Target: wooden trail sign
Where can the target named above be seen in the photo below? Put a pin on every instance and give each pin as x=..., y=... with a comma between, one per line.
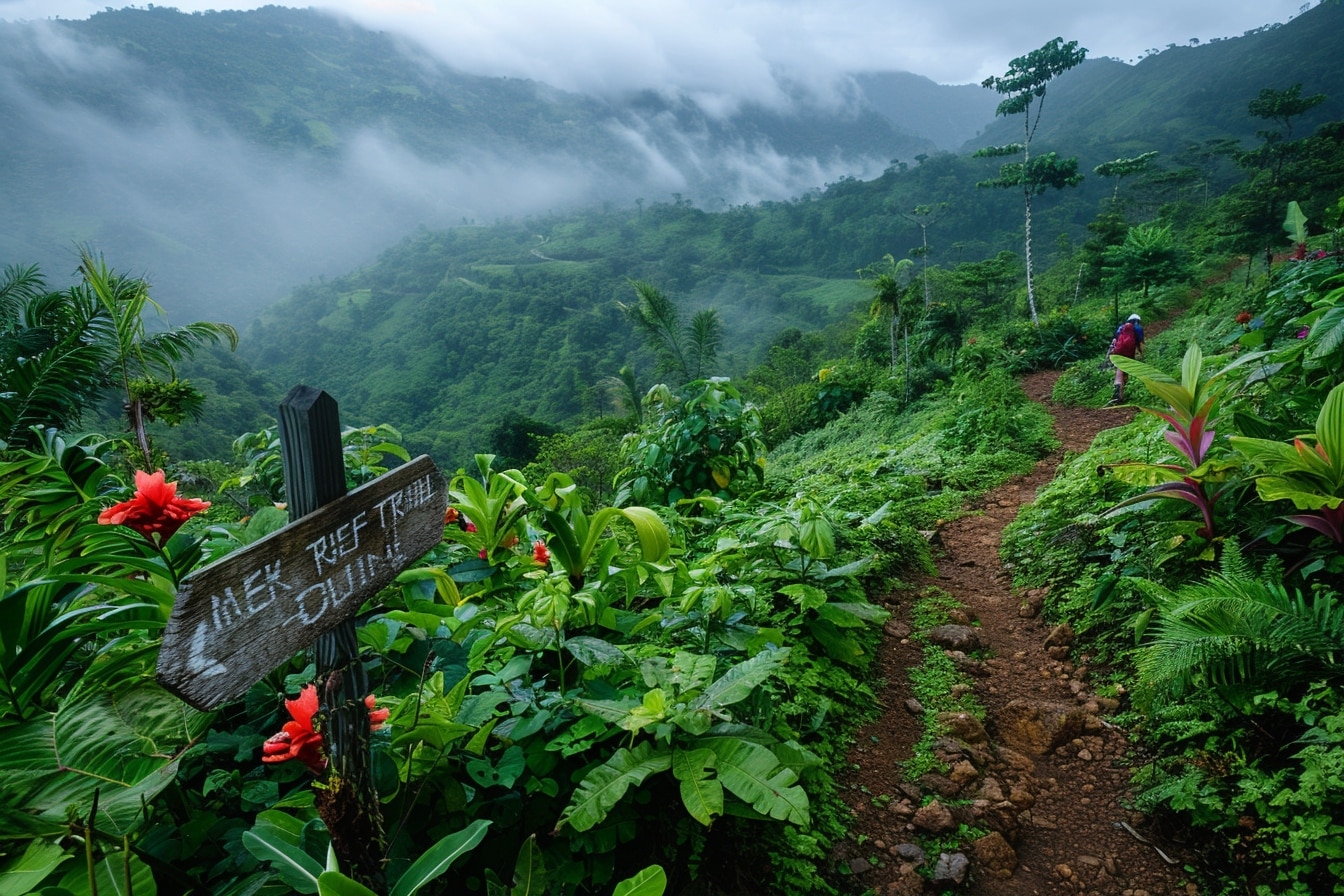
x=242, y=616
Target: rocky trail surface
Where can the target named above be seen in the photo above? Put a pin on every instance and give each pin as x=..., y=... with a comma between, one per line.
x=1046, y=774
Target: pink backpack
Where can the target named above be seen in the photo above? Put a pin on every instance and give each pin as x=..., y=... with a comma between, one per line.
x=1126, y=341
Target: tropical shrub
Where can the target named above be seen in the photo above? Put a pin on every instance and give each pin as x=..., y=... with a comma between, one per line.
x=702, y=439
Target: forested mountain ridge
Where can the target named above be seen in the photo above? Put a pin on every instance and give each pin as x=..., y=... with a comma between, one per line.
x=231, y=155
x=440, y=336
x=1186, y=95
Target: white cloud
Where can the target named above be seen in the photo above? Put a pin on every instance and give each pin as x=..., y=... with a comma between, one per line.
x=735, y=47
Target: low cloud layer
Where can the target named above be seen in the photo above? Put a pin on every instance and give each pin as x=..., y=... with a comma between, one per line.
x=736, y=48
x=223, y=228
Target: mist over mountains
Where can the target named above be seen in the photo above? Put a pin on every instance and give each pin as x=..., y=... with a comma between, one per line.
x=228, y=156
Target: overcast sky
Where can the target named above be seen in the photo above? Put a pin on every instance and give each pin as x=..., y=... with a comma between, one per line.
x=733, y=47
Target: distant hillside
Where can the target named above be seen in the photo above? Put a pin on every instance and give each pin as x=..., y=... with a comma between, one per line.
x=232, y=155
x=949, y=115
x=1105, y=109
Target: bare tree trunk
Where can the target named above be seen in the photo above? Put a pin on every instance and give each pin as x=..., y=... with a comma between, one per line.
x=1031, y=291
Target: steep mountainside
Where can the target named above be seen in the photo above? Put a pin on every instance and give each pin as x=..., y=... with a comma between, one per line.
x=1106, y=109
x=949, y=115
x=231, y=155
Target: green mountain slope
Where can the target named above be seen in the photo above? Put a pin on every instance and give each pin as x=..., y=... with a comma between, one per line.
x=1105, y=109
x=231, y=155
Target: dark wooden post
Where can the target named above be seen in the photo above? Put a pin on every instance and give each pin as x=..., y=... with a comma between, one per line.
x=314, y=467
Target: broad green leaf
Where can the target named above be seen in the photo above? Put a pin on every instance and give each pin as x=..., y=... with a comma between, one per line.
x=439, y=858
x=595, y=652
x=754, y=775
x=608, y=710
x=1295, y=223
x=334, y=883
x=296, y=867
x=809, y=597
x=24, y=873
x=529, y=871
x=738, y=682
x=1330, y=430
x=701, y=793
x=840, y=616
x=1145, y=474
x=1191, y=365
x=604, y=785
x=110, y=874
x=652, y=881
x=685, y=671
x=122, y=743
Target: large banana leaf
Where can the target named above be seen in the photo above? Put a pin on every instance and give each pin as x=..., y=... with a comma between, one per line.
x=754, y=775
x=602, y=788
x=122, y=745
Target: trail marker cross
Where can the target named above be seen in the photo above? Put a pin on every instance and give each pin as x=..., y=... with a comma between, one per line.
x=244, y=615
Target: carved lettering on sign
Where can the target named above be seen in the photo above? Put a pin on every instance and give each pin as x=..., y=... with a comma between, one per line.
x=242, y=616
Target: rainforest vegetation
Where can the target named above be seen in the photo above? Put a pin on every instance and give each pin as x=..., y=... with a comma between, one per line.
x=652, y=611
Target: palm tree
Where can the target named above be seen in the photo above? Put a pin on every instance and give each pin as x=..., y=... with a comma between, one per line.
x=51, y=370
x=143, y=362
x=60, y=352
x=688, y=351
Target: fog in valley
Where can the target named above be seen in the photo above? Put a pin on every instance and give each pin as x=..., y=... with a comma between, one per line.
x=222, y=226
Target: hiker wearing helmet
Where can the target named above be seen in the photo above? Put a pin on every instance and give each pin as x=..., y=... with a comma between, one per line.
x=1128, y=342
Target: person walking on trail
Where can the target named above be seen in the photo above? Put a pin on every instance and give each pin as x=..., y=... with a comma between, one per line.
x=1128, y=342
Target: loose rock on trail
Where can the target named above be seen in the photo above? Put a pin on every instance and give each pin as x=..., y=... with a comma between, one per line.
x=1046, y=774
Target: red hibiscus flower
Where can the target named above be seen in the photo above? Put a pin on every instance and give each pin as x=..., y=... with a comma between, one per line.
x=540, y=552
x=155, y=510
x=298, y=740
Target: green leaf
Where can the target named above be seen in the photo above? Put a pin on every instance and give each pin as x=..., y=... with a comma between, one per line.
x=1295, y=223
x=738, y=682
x=110, y=875
x=841, y=616
x=334, y=883
x=295, y=867
x=652, y=881
x=123, y=744
x=529, y=871
x=439, y=858
x=595, y=652
x=701, y=794
x=23, y=874
x=754, y=775
x=604, y=785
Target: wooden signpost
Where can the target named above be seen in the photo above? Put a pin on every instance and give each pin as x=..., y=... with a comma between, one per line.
x=239, y=618
x=244, y=615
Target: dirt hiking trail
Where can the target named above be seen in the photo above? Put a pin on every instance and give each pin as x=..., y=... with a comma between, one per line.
x=1046, y=774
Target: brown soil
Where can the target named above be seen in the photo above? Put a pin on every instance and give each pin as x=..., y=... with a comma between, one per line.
x=1048, y=774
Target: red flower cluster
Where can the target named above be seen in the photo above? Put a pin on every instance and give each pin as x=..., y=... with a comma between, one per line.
x=154, y=509
x=298, y=740
x=1243, y=317
x=540, y=552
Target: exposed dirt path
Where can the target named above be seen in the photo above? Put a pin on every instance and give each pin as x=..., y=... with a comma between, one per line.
x=1045, y=775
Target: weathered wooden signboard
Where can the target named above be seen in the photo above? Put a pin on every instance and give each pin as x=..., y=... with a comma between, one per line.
x=242, y=616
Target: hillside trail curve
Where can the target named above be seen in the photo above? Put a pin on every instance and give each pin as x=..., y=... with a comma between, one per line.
x=1046, y=774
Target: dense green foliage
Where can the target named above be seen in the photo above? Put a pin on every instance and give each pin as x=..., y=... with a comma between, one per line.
x=1222, y=610
x=630, y=677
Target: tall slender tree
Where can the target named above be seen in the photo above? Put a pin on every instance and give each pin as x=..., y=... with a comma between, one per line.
x=1024, y=85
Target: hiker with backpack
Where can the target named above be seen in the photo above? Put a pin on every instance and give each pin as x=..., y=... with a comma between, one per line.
x=1128, y=342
